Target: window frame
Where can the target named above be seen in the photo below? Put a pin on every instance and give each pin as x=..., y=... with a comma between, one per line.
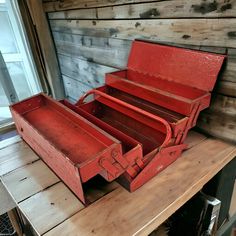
x=25, y=55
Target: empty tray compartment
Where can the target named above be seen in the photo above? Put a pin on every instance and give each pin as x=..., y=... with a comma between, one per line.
x=63, y=138
x=131, y=147
x=145, y=131
x=176, y=120
x=167, y=94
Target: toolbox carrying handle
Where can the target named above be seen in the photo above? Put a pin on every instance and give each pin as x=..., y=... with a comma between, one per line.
x=131, y=107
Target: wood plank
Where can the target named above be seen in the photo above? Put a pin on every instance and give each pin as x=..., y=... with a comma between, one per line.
x=115, y=54
x=114, y=51
x=219, y=125
x=15, y=156
x=50, y=207
x=223, y=105
x=230, y=70
x=83, y=71
x=28, y=180
x=207, y=32
x=134, y=213
x=7, y=142
x=194, y=138
x=47, y=48
x=74, y=89
x=232, y=52
x=74, y=4
x=158, y=9
x=90, y=13
x=219, y=50
x=227, y=88
x=6, y=201
x=49, y=0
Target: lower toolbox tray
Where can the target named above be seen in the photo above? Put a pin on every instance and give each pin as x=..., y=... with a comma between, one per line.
x=68, y=143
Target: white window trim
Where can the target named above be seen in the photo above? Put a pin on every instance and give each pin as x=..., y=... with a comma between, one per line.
x=24, y=47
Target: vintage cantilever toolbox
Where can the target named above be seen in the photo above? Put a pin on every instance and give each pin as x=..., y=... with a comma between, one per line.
x=134, y=126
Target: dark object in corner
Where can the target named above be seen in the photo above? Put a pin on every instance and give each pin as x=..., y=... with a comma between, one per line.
x=198, y=216
x=221, y=187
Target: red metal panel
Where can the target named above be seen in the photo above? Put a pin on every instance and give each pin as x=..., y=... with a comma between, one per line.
x=193, y=68
x=53, y=157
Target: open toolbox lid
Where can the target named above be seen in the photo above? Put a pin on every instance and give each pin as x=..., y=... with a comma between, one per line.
x=188, y=67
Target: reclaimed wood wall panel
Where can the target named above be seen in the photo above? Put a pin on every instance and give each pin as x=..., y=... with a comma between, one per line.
x=84, y=71
x=99, y=33
x=208, y=32
x=74, y=88
x=75, y=4
x=114, y=51
x=157, y=9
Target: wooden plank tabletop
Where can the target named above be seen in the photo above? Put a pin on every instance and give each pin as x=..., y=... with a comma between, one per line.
x=52, y=209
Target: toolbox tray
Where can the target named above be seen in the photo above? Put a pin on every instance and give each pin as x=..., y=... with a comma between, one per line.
x=61, y=136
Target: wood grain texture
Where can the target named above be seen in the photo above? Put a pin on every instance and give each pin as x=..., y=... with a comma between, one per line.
x=49, y=208
x=104, y=51
x=194, y=138
x=224, y=105
x=208, y=32
x=15, y=156
x=28, y=180
x=227, y=88
x=124, y=213
x=73, y=4
x=219, y=120
x=6, y=202
x=229, y=73
x=47, y=47
x=115, y=51
x=74, y=89
x=84, y=71
x=7, y=142
x=218, y=124
x=157, y=9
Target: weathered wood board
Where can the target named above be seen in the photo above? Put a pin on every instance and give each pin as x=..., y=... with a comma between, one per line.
x=50, y=207
x=12, y=157
x=154, y=9
x=208, y=32
x=6, y=201
x=123, y=213
x=79, y=76
x=31, y=178
x=73, y=4
x=141, y=9
x=54, y=210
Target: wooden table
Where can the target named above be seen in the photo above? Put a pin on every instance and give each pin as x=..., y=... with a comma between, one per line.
x=52, y=209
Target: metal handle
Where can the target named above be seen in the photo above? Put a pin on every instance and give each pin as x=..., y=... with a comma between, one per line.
x=131, y=107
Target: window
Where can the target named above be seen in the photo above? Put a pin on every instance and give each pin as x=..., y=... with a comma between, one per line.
x=17, y=59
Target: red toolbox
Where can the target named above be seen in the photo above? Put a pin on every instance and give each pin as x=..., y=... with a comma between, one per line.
x=134, y=126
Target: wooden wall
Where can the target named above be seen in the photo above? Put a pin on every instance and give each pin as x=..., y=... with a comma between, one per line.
x=93, y=37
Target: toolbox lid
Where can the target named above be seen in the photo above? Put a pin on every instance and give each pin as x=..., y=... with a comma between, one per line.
x=189, y=67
